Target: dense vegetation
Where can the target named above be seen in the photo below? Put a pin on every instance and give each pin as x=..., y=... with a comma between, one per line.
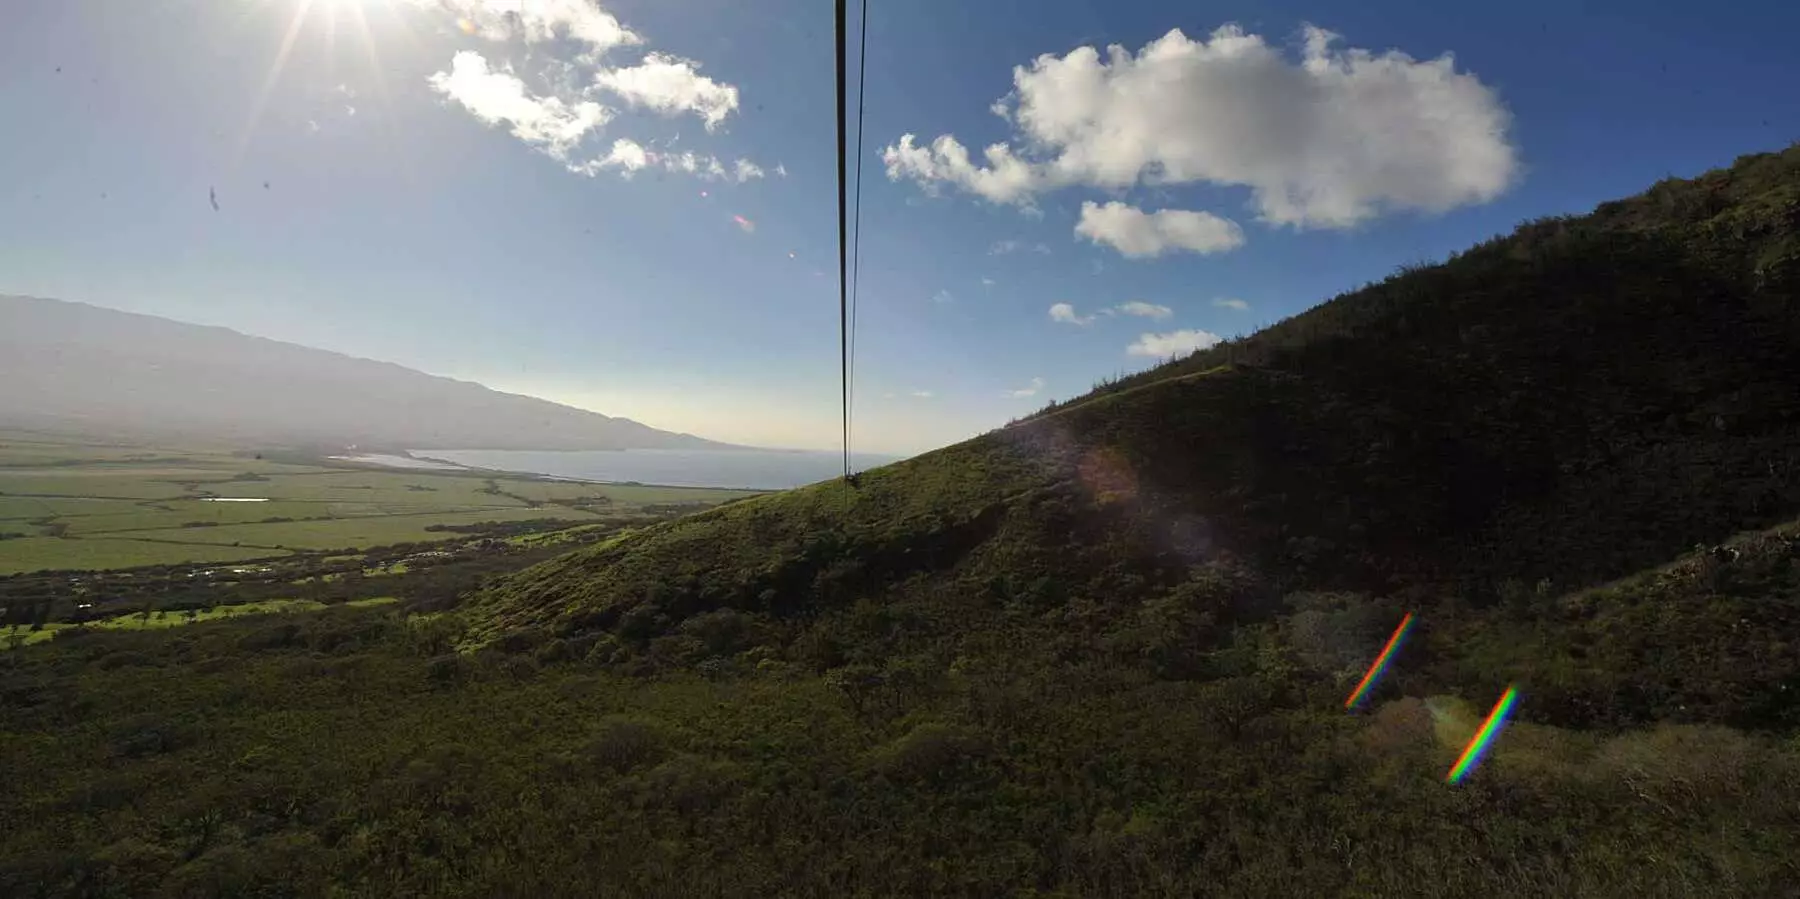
x=1100, y=652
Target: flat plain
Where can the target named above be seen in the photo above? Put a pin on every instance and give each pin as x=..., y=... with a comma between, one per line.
x=70, y=504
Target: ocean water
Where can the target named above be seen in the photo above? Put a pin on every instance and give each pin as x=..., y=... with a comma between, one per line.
x=751, y=469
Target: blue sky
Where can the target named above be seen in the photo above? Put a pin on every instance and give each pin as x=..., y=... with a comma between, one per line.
x=531, y=201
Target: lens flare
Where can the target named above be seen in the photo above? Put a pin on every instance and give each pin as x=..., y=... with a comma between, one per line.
x=1381, y=662
x=1484, y=738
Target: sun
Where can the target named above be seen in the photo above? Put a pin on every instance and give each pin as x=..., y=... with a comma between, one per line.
x=329, y=16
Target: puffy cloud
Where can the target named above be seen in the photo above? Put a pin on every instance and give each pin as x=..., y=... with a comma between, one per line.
x=1139, y=234
x=497, y=97
x=627, y=155
x=1326, y=141
x=1005, y=179
x=1065, y=313
x=744, y=170
x=1145, y=310
x=671, y=85
x=1032, y=389
x=1173, y=343
x=1231, y=303
x=539, y=20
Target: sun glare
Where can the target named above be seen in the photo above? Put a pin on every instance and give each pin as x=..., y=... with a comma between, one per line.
x=326, y=16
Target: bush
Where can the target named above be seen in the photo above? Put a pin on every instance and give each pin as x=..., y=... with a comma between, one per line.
x=931, y=753
x=621, y=744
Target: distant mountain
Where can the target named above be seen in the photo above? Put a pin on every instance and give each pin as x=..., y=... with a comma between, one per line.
x=80, y=368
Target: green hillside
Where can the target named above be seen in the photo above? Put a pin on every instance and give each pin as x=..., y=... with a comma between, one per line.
x=1100, y=652
x=1583, y=400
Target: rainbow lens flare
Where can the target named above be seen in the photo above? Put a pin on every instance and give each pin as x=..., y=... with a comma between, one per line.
x=1381, y=662
x=1484, y=738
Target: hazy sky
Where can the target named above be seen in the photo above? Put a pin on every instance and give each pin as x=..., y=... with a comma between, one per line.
x=630, y=206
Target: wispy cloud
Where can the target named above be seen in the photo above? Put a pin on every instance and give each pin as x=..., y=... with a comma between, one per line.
x=1036, y=385
x=534, y=21
x=943, y=296
x=1065, y=313
x=1003, y=247
x=628, y=157
x=923, y=394
x=1145, y=310
x=1231, y=303
x=987, y=282
x=1173, y=343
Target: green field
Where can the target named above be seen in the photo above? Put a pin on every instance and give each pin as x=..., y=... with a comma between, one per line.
x=71, y=505
x=163, y=619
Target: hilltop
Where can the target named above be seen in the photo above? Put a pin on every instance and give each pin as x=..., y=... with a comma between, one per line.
x=1589, y=397
x=81, y=369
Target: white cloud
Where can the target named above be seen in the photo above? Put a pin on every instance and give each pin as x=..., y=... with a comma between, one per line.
x=781, y=170
x=1003, y=247
x=1005, y=179
x=565, y=114
x=496, y=97
x=1145, y=310
x=1231, y=303
x=629, y=157
x=987, y=282
x=1328, y=140
x=1174, y=343
x=1065, y=313
x=942, y=296
x=923, y=394
x=1036, y=385
x=1140, y=234
x=671, y=85
x=539, y=20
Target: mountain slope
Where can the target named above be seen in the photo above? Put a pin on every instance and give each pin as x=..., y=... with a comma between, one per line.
x=1585, y=399
x=1104, y=652
x=71, y=366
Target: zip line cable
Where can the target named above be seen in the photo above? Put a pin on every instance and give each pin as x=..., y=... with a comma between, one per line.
x=843, y=248
x=862, y=78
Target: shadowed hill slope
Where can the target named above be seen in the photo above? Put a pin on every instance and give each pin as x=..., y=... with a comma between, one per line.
x=1584, y=399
